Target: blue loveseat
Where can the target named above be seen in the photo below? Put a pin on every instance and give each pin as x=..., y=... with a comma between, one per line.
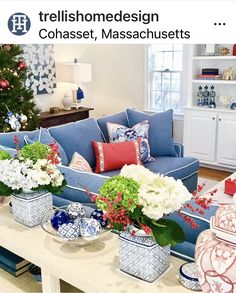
x=77, y=137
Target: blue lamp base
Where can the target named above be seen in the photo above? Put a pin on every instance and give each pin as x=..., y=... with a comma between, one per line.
x=78, y=95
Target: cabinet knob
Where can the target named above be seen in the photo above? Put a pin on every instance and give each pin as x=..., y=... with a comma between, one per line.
x=219, y=119
x=213, y=118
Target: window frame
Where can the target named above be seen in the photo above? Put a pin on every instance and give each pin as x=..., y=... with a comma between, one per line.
x=183, y=82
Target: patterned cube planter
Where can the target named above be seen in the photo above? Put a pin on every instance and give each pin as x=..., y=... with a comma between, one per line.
x=29, y=208
x=142, y=257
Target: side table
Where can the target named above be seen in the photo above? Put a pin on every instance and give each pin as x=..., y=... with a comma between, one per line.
x=48, y=119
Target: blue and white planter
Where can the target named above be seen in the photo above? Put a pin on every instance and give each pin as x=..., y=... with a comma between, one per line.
x=142, y=257
x=29, y=208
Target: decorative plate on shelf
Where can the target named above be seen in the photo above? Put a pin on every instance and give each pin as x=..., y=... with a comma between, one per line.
x=69, y=231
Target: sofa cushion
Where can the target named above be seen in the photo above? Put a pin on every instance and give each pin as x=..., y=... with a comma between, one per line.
x=112, y=156
x=179, y=168
x=186, y=249
x=79, y=163
x=78, y=137
x=160, y=131
x=80, y=183
x=118, y=118
x=120, y=133
x=45, y=138
x=7, y=139
x=11, y=151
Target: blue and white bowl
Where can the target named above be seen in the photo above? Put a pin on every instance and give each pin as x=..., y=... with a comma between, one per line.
x=188, y=278
x=70, y=232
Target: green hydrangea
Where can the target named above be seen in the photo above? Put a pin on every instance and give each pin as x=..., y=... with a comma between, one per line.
x=4, y=155
x=119, y=184
x=35, y=151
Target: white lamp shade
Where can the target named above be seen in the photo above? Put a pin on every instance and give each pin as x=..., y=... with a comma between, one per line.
x=74, y=72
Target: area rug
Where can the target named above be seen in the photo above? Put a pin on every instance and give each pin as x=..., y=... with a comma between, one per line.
x=208, y=184
x=219, y=197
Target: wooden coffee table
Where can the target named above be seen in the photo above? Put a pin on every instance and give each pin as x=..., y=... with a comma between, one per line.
x=94, y=268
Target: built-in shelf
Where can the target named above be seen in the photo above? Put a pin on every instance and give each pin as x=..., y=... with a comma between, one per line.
x=212, y=81
x=214, y=58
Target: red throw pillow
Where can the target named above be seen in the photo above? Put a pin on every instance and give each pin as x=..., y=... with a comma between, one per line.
x=111, y=156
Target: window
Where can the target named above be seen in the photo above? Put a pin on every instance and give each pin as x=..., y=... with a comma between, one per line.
x=165, y=65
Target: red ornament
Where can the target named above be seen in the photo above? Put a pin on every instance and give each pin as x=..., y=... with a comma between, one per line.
x=21, y=65
x=230, y=186
x=4, y=84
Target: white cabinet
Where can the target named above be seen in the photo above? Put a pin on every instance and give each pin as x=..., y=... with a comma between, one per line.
x=226, y=143
x=200, y=135
x=210, y=136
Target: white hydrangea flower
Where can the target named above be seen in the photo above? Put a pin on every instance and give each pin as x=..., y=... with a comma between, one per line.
x=158, y=195
x=25, y=175
x=137, y=172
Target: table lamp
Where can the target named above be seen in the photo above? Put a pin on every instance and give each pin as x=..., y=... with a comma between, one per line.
x=75, y=73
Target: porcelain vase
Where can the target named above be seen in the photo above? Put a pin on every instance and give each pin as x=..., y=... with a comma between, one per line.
x=215, y=254
x=142, y=257
x=29, y=208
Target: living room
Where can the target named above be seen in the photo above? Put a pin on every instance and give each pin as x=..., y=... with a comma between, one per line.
x=127, y=85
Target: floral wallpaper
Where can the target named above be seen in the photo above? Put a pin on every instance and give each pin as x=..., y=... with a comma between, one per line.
x=41, y=64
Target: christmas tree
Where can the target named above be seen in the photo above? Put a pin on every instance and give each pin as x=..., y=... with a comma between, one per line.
x=14, y=96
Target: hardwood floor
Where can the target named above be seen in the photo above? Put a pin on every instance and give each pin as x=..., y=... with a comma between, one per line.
x=213, y=174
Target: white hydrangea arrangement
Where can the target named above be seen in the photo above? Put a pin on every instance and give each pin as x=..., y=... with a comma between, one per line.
x=140, y=198
x=158, y=195
x=23, y=174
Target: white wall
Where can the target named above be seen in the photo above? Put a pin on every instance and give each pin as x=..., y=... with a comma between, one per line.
x=117, y=77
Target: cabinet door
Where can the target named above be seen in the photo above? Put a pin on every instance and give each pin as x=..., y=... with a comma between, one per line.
x=200, y=135
x=226, y=152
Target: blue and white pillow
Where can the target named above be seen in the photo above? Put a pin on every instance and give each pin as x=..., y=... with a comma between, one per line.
x=120, y=133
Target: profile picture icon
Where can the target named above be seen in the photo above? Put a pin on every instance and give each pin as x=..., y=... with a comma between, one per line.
x=19, y=23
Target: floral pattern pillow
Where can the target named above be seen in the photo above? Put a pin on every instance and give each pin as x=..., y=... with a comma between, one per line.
x=120, y=133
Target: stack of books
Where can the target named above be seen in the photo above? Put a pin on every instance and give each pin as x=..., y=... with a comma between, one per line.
x=209, y=76
x=209, y=73
x=13, y=263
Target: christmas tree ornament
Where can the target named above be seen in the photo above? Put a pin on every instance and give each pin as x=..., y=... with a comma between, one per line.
x=98, y=215
x=89, y=227
x=75, y=210
x=4, y=84
x=21, y=65
x=23, y=118
x=68, y=231
x=6, y=47
x=13, y=120
x=59, y=218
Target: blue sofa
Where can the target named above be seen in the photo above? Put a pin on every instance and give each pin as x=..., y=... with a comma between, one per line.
x=77, y=136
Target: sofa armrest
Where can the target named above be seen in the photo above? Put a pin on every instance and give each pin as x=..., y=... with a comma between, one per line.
x=80, y=184
x=179, y=148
